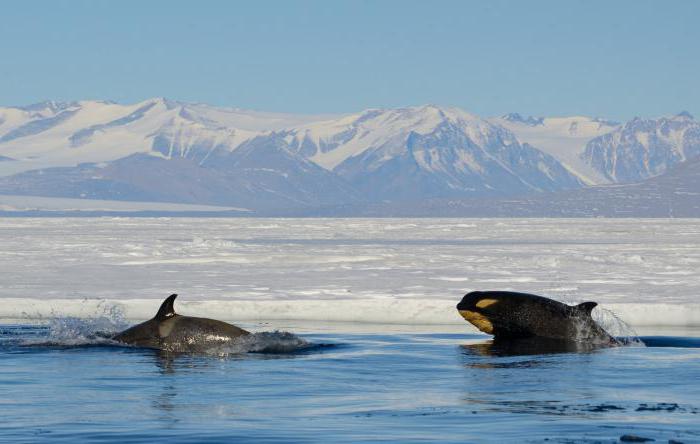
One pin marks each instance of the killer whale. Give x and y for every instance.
(170, 331)
(510, 315)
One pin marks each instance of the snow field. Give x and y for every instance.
(403, 271)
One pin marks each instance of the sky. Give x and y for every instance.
(614, 59)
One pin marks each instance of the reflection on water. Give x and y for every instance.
(169, 363)
(528, 346)
(546, 346)
(165, 401)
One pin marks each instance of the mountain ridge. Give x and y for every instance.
(196, 153)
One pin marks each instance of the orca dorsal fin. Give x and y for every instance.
(586, 307)
(166, 309)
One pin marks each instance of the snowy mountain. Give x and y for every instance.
(600, 151)
(673, 194)
(54, 134)
(167, 151)
(171, 151)
(428, 151)
(564, 138)
(266, 178)
(643, 148)
(158, 150)
(516, 118)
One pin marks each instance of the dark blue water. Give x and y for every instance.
(348, 387)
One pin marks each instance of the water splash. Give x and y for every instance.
(94, 329)
(616, 327)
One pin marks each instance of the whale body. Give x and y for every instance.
(510, 315)
(170, 331)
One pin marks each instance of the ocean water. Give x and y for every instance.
(340, 385)
(376, 351)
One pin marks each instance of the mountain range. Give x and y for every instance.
(160, 150)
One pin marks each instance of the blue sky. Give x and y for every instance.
(615, 59)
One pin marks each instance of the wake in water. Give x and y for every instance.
(71, 331)
(99, 329)
(267, 342)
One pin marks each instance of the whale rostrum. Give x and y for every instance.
(170, 331)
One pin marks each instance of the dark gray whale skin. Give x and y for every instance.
(509, 315)
(170, 331)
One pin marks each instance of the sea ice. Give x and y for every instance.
(410, 271)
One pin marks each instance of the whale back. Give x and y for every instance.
(170, 331)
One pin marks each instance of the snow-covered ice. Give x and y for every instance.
(408, 271)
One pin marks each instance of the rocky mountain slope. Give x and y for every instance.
(644, 148)
(673, 194)
(167, 151)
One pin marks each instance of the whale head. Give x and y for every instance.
(474, 307)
